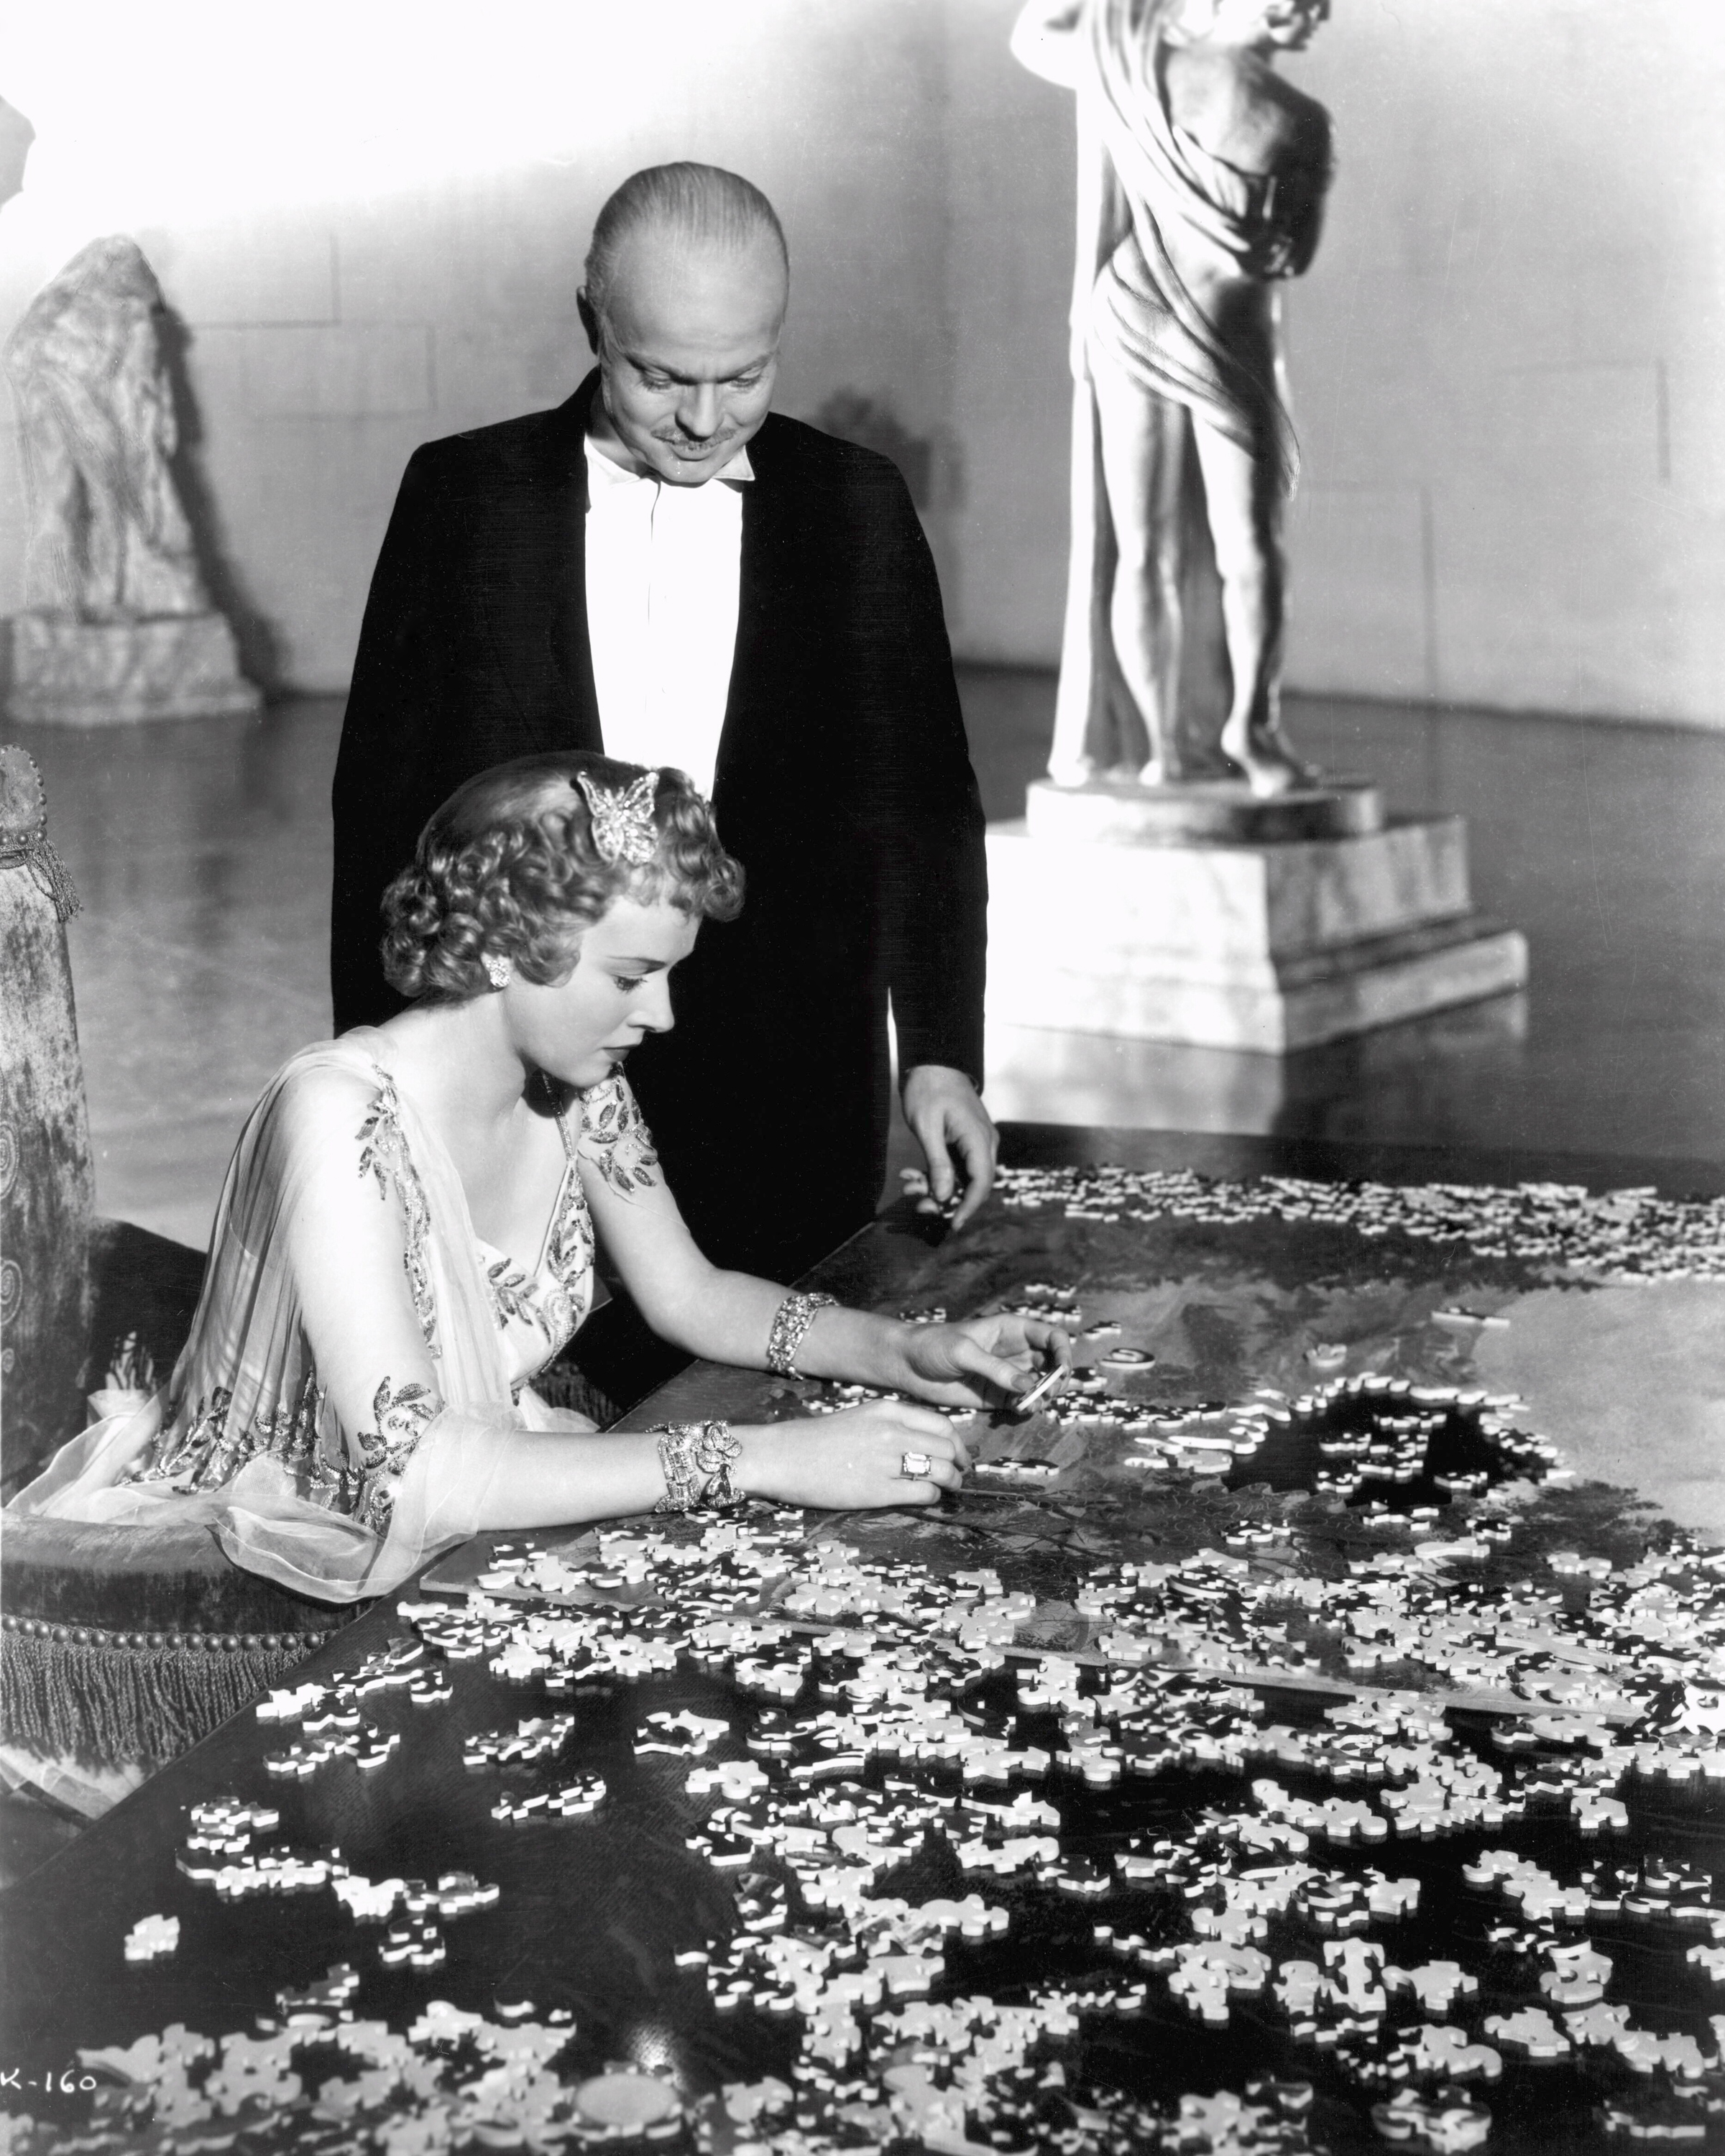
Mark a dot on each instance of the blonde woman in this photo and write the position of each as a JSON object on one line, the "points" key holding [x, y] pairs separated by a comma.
{"points": [[406, 1237]]}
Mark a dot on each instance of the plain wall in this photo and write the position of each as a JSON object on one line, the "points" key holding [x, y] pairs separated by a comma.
{"points": [[371, 221], [1506, 362]]}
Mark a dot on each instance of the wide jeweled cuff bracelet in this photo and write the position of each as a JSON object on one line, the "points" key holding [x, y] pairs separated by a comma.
{"points": [[696, 1459], [676, 1463], [791, 1321], [716, 1452]]}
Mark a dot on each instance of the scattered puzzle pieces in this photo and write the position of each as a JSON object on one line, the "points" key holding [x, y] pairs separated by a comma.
{"points": [[910, 1730], [1530, 2033], [153, 1939]]}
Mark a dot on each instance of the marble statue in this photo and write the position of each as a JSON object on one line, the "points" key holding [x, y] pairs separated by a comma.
{"points": [[108, 540], [117, 622], [16, 136], [1201, 177]]}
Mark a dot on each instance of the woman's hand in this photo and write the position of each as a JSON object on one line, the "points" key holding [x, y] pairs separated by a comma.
{"points": [[985, 1362], [852, 1459]]}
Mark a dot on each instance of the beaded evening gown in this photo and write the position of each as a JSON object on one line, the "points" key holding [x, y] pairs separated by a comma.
{"points": [[357, 1352]]}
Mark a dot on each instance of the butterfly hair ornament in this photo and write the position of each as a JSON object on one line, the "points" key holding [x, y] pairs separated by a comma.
{"points": [[623, 826]]}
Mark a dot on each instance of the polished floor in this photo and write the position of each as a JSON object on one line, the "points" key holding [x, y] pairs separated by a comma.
{"points": [[202, 850]]}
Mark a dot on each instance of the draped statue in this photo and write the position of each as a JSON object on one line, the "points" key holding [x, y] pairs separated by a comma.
{"points": [[1202, 176], [109, 537], [117, 622]]}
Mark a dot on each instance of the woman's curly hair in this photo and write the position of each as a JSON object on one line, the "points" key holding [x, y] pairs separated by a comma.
{"points": [[507, 868]]}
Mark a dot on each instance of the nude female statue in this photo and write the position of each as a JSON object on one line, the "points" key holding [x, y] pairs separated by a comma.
{"points": [[1202, 176]]}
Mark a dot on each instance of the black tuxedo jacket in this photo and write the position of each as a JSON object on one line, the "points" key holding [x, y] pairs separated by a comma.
{"points": [[843, 784]]}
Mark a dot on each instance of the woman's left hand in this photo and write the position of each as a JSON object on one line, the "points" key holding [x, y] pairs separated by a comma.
{"points": [[985, 1362]]}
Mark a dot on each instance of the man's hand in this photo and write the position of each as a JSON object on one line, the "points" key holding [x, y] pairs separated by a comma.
{"points": [[944, 1110]]}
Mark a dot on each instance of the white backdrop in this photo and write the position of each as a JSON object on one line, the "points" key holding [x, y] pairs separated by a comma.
{"points": [[1508, 362]]}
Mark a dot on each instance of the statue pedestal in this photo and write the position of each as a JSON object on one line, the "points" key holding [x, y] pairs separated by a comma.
{"points": [[1201, 914], [111, 673]]}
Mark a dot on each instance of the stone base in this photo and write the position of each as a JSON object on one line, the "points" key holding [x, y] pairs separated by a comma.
{"points": [[113, 673], [1270, 947], [1413, 1072], [1361, 989], [1206, 905], [1225, 812]]}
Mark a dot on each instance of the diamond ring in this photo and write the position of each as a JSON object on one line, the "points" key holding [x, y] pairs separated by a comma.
{"points": [[915, 1466]]}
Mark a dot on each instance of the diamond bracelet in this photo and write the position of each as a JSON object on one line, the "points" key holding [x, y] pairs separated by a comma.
{"points": [[676, 1463], [791, 1321], [716, 1452], [696, 1460]]}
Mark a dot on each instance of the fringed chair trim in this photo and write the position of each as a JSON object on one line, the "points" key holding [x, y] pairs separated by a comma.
{"points": [[106, 1697]]}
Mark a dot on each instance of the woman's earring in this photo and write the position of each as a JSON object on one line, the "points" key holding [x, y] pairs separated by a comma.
{"points": [[498, 969]]}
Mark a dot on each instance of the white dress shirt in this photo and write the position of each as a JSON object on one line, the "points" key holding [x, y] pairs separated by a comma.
{"points": [[663, 564]]}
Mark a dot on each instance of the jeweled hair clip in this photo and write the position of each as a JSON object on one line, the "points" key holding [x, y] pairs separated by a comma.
{"points": [[623, 826]]}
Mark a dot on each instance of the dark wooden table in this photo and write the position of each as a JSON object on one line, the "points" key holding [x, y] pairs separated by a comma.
{"points": [[591, 1910]]}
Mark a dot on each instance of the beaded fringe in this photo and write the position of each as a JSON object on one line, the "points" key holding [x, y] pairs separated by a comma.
{"points": [[113, 1705]]}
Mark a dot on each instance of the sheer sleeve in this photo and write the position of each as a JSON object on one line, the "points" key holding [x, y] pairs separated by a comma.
{"points": [[402, 1471], [341, 1409], [355, 1243]]}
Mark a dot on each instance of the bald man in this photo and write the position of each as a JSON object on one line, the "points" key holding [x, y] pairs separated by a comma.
{"points": [[662, 568]]}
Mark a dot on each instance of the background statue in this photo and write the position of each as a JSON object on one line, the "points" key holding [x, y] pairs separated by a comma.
{"points": [[109, 539], [1202, 176], [16, 136]]}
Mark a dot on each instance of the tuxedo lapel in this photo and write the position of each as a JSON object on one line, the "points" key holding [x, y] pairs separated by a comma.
{"points": [[758, 707], [537, 603]]}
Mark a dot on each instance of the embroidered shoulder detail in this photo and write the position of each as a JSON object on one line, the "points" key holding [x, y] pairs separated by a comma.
{"points": [[615, 1138], [383, 1155], [401, 1412]]}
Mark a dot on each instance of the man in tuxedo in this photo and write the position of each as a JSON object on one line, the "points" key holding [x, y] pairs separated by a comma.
{"points": [[662, 568]]}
